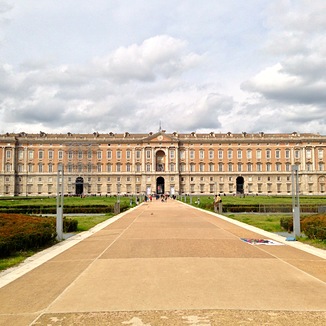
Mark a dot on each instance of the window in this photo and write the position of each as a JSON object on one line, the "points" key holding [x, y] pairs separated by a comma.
{"points": [[30, 155], [239, 152], [268, 167], [148, 168], [128, 167], [201, 167], [192, 154], [50, 155], [109, 154], [320, 154], [258, 154], [70, 155], [308, 154], [20, 154], [89, 154], [220, 167], [89, 168], [80, 155], [50, 167], [230, 154], [278, 167], [211, 154], [172, 154], [259, 167], [30, 168], [287, 167], [99, 155], [20, 167], [249, 154], [220, 154], [201, 154], [109, 168], [287, 154], [128, 154], [239, 167], [321, 166], [138, 167], [192, 168], [8, 167], [230, 167], [8, 153], [172, 167], [249, 167], [138, 154], [211, 167], [40, 167], [60, 155], [70, 168], [182, 154], [309, 167], [297, 154], [80, 167], [268, 154], [118, 167], [99, 167], [277, 154]]}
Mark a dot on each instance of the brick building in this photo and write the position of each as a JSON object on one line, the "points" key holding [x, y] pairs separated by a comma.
{"points": [[161, 163]]}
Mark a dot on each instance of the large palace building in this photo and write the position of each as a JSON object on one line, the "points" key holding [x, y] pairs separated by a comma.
{"points": [[170, 163]]}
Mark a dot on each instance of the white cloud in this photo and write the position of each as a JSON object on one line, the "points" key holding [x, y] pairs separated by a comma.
{"points": [[215, 66]]}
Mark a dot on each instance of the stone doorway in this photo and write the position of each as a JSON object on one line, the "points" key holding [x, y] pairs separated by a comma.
{"points": [[79, 186], [240, 185], [160, 185]]}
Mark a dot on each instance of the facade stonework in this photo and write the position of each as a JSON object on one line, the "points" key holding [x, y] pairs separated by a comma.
{"points": [[172, 163]]}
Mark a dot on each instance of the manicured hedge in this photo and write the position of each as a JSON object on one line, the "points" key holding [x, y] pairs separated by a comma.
{"points": [[314, 226], [23, 232], [51, 209]]}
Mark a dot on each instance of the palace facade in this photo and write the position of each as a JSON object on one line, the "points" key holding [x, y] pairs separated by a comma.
{"points": [[172, 163]]}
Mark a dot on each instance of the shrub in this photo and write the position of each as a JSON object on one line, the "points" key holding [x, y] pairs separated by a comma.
{"points": [[314, 226], [69, 225], [287, 223], [23, 232]]}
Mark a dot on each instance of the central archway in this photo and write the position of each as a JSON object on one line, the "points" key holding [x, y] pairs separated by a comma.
{"points": [[160, 185], [240, 185], [79, 186]]}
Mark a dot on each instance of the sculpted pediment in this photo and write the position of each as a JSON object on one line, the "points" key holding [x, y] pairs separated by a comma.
{"points": [[160, 137]]}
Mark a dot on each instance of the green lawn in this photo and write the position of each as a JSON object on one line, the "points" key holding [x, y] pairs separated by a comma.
{"points": [[268, 222], [87, 222], [262, 200]]}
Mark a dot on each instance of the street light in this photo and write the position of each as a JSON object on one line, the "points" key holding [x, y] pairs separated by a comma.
{"points": [[60, 195], [295, 202]]}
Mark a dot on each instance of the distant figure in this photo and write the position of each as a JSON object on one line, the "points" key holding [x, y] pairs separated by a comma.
{"points": [[217, 201]]}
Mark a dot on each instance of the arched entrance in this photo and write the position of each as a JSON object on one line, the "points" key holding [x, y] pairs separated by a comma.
{"points": [[240, 185], [160, 185], [79, 186]]}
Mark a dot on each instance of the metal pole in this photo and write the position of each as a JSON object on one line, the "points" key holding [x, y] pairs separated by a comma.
{"points": [[60, 195], [295, 202]]}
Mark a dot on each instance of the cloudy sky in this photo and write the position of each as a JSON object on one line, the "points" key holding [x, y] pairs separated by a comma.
{"points": [[129, 65]]}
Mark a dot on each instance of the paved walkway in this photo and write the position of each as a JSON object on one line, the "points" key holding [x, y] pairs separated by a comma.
{"points": [[168, 264]]}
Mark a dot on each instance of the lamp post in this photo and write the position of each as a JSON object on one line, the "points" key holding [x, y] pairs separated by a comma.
{"points": [[60, 195], [295, 202]]}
